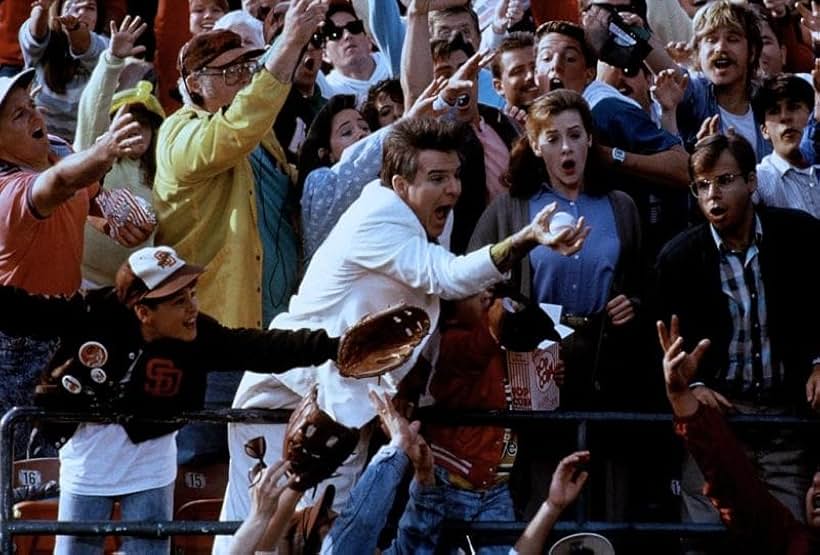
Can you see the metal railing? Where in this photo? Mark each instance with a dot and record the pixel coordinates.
(492, 531)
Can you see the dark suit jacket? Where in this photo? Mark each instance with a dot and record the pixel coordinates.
(688, 284)
(473, 199)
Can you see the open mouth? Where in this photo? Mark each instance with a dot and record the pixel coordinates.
(568, 165)
(626, 91)
(556, 84)
(722, 63)
(442, 212)
(791, 133)
(207, 25)
(309, 64)
(717, 211)
(38, 134)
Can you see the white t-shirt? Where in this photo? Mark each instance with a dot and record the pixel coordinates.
(100, 459)
(336, 83)
(744, 125)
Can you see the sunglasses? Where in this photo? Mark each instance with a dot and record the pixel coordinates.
(332, 32)
(317, 40)
(255, 448)
(700, 187)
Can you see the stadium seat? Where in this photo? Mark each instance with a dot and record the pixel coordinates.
(199, 509)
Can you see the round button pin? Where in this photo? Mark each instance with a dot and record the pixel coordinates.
(72, 384)
(92, 354)
(98, 375)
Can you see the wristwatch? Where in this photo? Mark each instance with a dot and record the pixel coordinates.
(618, 156)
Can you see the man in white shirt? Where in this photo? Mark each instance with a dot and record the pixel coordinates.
(383, 251)
(785, 178)
(355, 66)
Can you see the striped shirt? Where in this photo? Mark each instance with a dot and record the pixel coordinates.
(750, 353)
(783, 185)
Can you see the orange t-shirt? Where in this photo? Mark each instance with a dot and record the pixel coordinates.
(12, 15)
(40, 255)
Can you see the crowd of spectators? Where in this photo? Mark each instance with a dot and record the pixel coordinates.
(289, 167)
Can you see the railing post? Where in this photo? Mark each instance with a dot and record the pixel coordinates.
(582, 507)
(6, 489)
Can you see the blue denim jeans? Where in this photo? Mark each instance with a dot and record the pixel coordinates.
(22, 360)
(357, 528)
(151, 505)
(9, 71)
(205, 443)
(494, 504)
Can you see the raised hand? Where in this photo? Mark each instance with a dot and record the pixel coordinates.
(423, 106)
(679, 367)
(123, 135)
(515, 113)
(669, 87)
(567, 242)
(302, 19)
(426, 6)
(123, 40)
(680, 52)
(405, 436)
(810, 19)
(464, 77)
(70, 23)
(709, 127)
(568, 480)
(267, 490)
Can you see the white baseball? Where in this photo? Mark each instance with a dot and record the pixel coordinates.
(561, 221)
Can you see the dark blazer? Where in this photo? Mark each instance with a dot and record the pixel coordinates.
(688, 284)
(473, 199)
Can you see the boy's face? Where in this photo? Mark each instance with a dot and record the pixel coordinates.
(783, 125)
(772, 55)
(724, 54)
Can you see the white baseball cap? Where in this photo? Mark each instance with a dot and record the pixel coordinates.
(585, 542)
(7, 84)
(162, 270)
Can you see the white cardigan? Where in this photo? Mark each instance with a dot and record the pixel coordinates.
(378, 255)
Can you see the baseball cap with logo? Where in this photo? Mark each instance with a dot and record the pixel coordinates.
(215, 48)
(7, 84)
(160, 269)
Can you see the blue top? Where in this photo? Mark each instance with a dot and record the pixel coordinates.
(581, 282)
(280, 247)
(329, 191)
(388, 32)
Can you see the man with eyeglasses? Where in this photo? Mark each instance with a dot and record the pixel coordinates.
(223, 183)
(355, 66)
(746, 280)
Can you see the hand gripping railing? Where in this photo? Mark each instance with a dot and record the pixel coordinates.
(493, 531)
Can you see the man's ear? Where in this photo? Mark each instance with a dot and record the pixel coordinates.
(533, 146)
(591, 73)
(142, 312)
(497, 86)
(192, 81)
(765, 131)
(400, 185)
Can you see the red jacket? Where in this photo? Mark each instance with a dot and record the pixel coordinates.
(469, 374)
(761, 522)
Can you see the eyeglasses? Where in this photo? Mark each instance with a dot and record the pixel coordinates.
(255, 448)
(235, 74)
(700, 187)
(332, 32)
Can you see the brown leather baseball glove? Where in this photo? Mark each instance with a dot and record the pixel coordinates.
(315, 444)
(382, 341)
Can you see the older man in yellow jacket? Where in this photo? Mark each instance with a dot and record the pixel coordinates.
(222, 184)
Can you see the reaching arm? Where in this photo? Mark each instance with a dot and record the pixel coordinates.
(82, 169)
(416, 58)
(92, 117)
(265, 507)
(388, 31)
(567, 482)
(668, 167)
